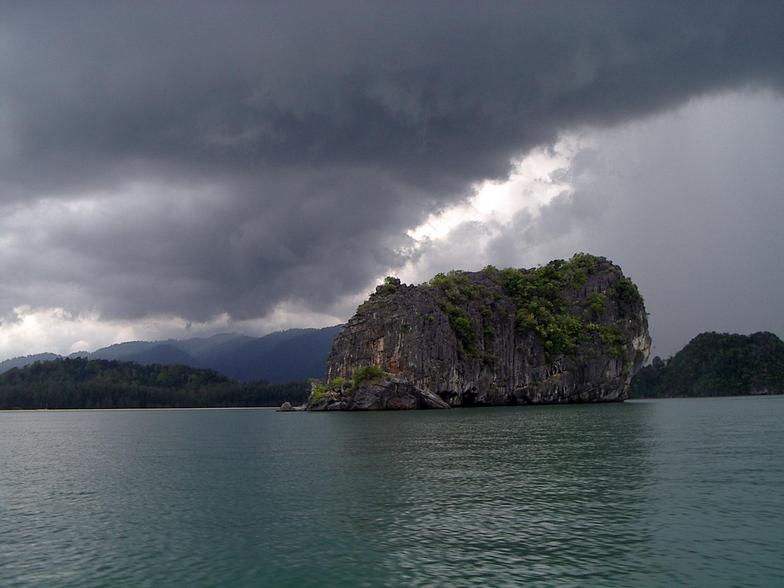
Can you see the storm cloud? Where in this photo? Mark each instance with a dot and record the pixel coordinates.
(218, 159)
(689, 202)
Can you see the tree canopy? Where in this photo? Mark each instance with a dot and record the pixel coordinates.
(716, 364)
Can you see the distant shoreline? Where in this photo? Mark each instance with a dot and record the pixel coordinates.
(275, 408)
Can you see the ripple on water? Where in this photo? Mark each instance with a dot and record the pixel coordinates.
(662, 492)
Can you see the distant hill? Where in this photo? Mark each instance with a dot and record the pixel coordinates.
(279, 357)
(283, 356)
(98, 383)
(716, 364)
(25, 360)
(164, 354)
(145, 353)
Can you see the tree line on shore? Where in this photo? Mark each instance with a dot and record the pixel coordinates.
(716, 364)
(83, 383)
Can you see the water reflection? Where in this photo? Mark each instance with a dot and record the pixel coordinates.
(500, 495)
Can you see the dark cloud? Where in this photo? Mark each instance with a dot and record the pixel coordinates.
(690, 204)
(197, 158)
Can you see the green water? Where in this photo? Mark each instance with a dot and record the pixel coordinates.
(661, 493)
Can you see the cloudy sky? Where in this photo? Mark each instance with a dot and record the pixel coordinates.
(184, 168)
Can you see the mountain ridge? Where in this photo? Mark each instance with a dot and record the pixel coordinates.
(278, 357)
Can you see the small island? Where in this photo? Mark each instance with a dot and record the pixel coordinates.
(569, 331)
(716, 364)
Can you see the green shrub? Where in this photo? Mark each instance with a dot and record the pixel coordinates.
(597, 303)
(461, 324)
(626, 291)
(317, 390)
(455, 286)
(465, 332)
(611, 337)
(366, 373)
(585, 262)
(390, 284)
(458, 291)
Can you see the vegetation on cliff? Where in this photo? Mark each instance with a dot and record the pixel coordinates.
(457, 290)
(541, 303)
(82, 383)
(716, 364)
(339, 385)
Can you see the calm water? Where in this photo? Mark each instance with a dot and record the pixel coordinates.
(668, 492)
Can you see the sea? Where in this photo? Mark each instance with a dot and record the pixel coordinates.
(680, 492)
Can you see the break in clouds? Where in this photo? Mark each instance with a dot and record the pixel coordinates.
(173, 164)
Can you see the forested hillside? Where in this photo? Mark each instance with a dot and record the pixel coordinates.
(83, 383)
(716, 364)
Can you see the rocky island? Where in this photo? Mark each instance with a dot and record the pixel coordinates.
(569, 331)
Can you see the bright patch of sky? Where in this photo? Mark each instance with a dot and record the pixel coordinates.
(536, 179)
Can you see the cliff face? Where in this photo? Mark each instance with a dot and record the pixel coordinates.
(571, 331)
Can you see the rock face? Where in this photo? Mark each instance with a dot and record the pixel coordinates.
(385, 394)
(570, 331)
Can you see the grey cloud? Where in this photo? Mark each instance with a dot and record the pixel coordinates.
(690, 204)
(316, 132)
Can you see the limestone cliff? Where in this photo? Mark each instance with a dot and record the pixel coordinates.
(570, 331)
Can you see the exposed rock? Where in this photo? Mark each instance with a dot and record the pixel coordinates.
(287, 407)
(572, 331)
(384, 394)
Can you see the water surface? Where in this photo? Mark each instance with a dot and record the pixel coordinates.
(661, 492)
